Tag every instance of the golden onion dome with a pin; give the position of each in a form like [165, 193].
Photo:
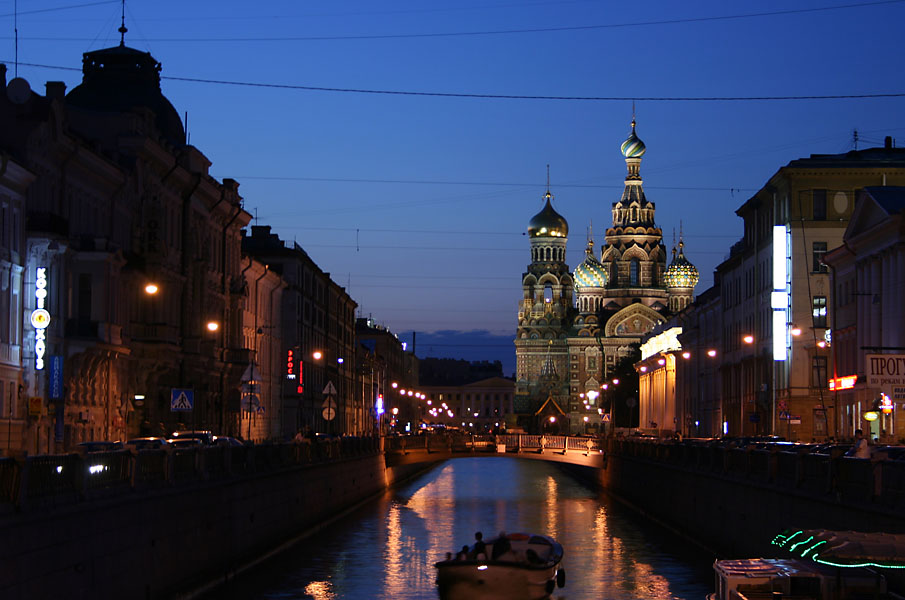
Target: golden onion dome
[681, 273]
[548, 222]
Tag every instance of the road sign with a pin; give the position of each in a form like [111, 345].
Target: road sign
[181, 399]
[329, 389]
[329, 407]
[250, 402]
[606, 418]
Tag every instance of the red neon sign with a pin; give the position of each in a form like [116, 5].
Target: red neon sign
[843, 383]
[290, 364]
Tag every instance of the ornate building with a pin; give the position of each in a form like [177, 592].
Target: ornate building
[573, 327]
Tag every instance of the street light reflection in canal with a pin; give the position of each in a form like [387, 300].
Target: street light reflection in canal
[387, 549]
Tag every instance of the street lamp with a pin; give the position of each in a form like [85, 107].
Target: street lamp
[151, 288]
[213, 326]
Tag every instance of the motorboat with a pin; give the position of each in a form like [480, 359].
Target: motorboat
[526, 566]
[770, 578]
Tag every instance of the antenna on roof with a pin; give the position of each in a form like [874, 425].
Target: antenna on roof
[122, 28]
[855, 138]
[548, 177]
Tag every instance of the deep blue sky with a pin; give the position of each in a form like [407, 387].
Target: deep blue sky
[418, 204]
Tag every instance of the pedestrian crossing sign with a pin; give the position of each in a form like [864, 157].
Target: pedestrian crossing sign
[606, 418]
[182, 399]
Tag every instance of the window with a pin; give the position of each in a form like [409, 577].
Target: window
[819, 311]
[819, 249]
[634, 269]
[818, 378]
[819, 199]
[84, 296]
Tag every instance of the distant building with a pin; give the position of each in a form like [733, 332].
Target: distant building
[313, 326]
[480, 406]
[389, 376]
[574, 327]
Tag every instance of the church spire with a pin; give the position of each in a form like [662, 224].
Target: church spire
[122, 28]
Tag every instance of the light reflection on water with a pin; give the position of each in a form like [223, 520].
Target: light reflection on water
[387, 549]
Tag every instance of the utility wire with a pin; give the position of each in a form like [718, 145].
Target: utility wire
[284, 86]
[510, 31]
[59, 8]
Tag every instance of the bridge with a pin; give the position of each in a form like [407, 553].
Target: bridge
[415, 449]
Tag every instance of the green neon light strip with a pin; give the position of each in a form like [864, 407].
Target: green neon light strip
[789, 539]
[805, 553]
[853, 565]
[792, 548]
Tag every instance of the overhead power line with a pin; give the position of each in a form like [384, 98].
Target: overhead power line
[396, 36]
[310, 88]
[59, 8]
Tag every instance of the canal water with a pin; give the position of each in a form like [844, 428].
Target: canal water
[386, 550]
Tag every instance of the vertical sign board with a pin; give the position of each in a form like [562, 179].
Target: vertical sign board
[55, 394]
[886, 372]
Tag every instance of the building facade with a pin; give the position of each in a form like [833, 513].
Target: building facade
[316, 327]
[131, 278]
[868, 323]
[574, 327]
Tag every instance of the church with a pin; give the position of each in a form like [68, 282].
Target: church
[575, 326]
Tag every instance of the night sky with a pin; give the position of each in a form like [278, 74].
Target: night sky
[417, 201]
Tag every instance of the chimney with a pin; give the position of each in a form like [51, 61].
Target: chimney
[887, 143]
[55, 90]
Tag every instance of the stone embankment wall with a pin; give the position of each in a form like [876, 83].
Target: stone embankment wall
[734, 501]
[183, 537]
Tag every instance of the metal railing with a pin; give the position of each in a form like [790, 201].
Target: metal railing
[56, 480]
[457, 442]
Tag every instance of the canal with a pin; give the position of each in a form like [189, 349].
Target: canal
[386, 550]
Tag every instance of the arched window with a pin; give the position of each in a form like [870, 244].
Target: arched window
[548, 293]
[635, 272]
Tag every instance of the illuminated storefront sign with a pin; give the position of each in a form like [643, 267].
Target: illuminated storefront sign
[779, 299]
[843, 383]
[290, 364]
[40, 317]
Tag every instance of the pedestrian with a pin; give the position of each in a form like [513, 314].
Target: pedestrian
[501, 546]
[299, 438]
[861, 448]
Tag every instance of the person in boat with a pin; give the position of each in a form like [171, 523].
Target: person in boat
[500, 547]
[463, 553]
[480, 548]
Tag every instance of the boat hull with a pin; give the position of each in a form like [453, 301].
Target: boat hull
[476, 580]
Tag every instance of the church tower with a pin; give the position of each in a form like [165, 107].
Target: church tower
[545, 312]
[681, 276]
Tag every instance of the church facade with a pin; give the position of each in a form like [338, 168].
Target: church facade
[575, 326]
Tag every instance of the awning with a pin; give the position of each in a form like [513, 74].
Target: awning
[845, 548]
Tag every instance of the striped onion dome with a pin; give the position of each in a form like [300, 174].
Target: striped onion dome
[633, 147]
[681, 273]
[548, 222]
[590, 273]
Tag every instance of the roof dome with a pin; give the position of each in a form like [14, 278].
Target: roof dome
[548, 222]
[681, 273]
[633, 147]
[590, 273]
[119, 79]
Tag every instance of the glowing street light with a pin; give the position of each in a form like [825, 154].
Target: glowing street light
[213, 326]
[317, 355]
[748, 339]
[151, 289]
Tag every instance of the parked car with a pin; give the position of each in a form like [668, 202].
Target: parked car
[98, 446]
[206, 436]
[146, 443]
[225, 440]
[185, 442]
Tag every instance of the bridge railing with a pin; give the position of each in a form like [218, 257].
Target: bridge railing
[458, 442]
[56, 480]
[855, 480]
